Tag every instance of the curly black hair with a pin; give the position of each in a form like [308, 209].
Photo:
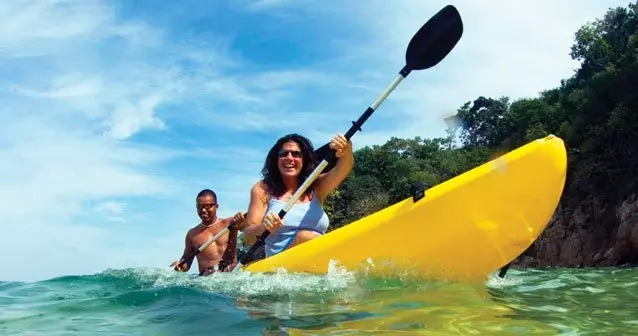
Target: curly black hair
[270, 172]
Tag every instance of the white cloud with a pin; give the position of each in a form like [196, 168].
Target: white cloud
[259, 5]
[290, 79]
[65, 111]
[35, 28]
[111, 207]
[508, 49]
[230, 89]
[129, 118]
[65, 87]
[46, 178]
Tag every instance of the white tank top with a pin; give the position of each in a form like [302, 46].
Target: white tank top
[302, 216]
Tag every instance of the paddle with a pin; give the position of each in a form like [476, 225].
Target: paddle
[436, 38]
[503, 270]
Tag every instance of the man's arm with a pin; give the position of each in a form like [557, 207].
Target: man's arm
[230, 254]
[188, 250]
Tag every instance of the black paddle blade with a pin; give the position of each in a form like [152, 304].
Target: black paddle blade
[502, 271]
[436, 38]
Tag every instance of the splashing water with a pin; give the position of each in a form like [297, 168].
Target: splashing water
[163, 302]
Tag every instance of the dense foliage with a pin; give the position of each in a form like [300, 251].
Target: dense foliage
[595, 112]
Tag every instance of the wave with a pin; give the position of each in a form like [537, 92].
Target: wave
[161, 301]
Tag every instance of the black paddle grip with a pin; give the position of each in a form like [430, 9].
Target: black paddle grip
[356, 125]
[248, 257]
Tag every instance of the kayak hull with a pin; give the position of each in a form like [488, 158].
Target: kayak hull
[462, 229]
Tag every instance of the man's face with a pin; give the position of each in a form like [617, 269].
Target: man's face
[206, 207]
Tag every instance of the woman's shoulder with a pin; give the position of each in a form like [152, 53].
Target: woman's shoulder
[260, 186]
[260, 190]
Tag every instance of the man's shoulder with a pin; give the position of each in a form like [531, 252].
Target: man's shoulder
[193, 231]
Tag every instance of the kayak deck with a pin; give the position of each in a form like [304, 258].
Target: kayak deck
[462, 229]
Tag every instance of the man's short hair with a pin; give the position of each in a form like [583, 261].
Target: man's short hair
[206, 192]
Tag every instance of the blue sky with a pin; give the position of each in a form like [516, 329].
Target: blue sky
[115, 114]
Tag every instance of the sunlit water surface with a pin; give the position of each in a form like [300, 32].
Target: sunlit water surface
[164, 302]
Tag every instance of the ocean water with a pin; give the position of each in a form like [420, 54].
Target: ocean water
[164, 302]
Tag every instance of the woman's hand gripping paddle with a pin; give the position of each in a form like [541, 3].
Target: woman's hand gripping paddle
[431, 44]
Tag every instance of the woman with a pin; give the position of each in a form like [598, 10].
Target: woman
[288, 164]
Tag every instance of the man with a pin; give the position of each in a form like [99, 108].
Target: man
[221, 254]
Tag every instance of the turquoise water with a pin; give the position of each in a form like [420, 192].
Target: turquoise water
[163, 302]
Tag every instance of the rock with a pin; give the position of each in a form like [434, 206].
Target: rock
[593, 232]
[627, 234]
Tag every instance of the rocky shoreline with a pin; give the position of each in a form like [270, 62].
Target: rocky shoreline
[592, 233]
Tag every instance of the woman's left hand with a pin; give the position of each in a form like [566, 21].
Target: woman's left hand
[340, 145]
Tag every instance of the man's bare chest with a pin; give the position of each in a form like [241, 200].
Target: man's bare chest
[202, 237]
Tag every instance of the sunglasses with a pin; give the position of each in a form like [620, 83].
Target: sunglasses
[283, 153]
[206, 206]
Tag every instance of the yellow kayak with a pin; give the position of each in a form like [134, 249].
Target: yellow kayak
[462, 229]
